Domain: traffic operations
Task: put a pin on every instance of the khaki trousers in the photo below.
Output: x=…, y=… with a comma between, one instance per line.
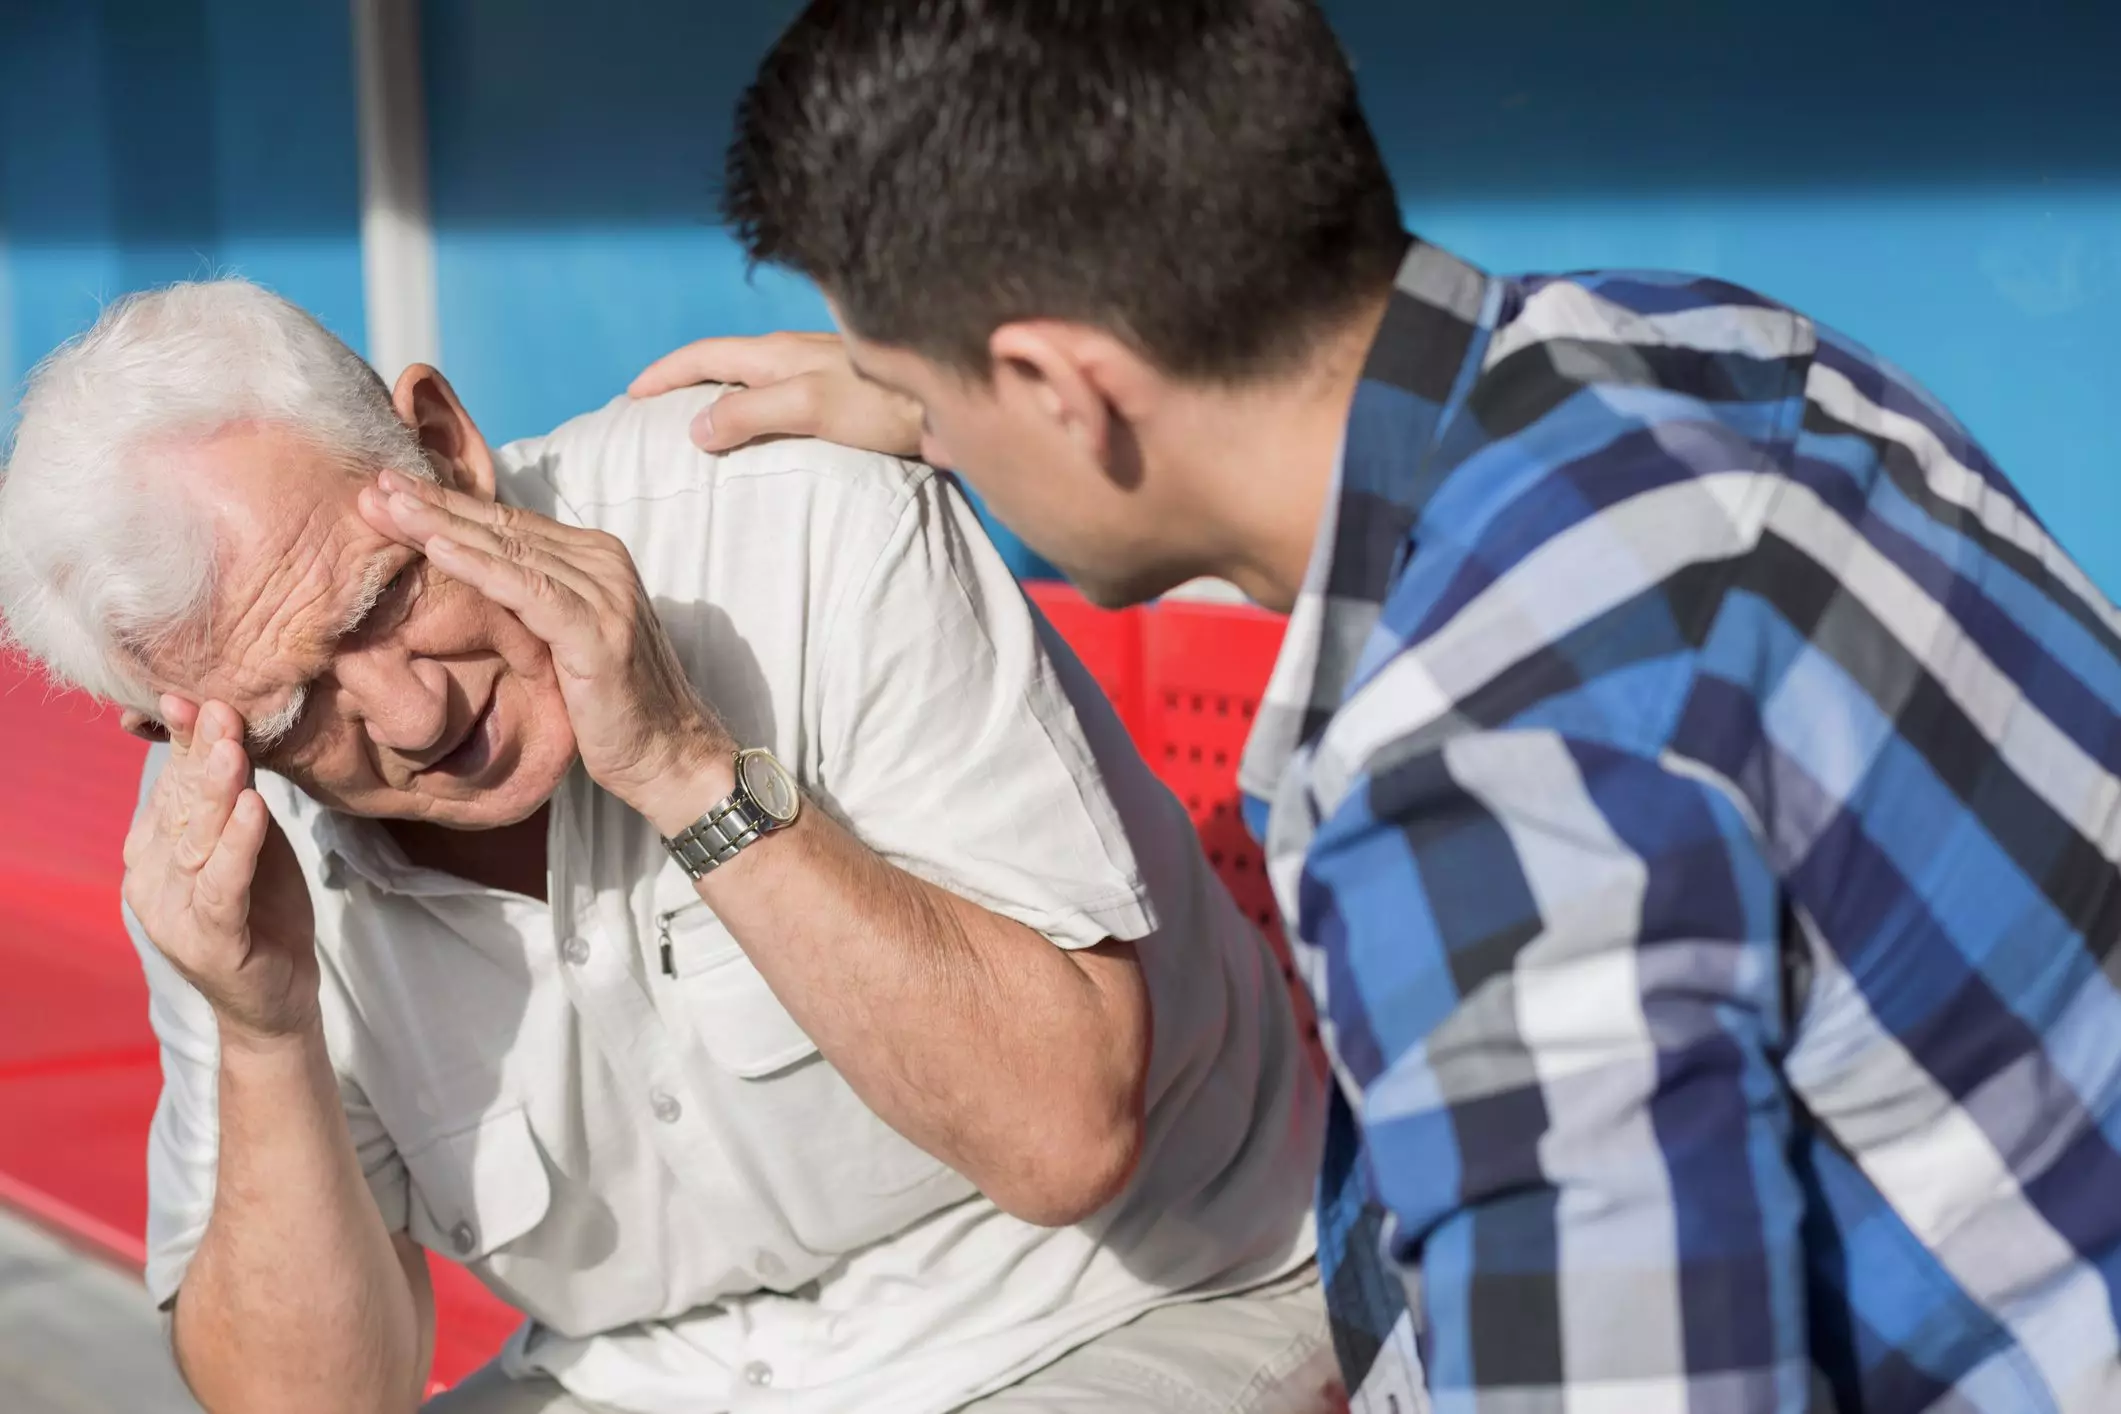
x=1264, y=1352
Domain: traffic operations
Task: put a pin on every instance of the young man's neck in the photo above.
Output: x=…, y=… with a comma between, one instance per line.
x=1261, y=459
x=511, y=858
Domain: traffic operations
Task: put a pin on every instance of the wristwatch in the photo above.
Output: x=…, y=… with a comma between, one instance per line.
x=765, y=800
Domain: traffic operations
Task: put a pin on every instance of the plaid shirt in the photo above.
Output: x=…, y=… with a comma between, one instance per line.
x=1692, y=773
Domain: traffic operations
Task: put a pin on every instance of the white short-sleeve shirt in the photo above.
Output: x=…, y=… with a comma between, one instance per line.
x=690, y=1204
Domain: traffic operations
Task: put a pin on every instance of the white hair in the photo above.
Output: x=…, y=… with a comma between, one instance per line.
x=102, y=560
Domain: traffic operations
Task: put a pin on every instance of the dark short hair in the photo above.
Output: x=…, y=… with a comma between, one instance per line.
x=1195, y=176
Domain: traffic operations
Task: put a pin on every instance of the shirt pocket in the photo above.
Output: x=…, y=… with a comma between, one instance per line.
x=478, y=1188
x=841, y=1174
x=741, y=1024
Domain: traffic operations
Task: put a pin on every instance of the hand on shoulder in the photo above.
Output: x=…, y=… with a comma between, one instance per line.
x=791, y=385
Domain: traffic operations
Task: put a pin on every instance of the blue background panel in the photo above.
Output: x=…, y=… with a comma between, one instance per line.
x=144, y=141
x=1941, y=182
x=574, y=158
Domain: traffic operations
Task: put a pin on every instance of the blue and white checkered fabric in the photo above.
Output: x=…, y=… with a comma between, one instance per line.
x=1692, y=776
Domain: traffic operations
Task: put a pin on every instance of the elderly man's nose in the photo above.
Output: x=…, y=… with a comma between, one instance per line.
x=405, y=709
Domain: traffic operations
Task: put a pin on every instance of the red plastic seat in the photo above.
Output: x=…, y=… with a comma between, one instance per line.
x=1186, y=679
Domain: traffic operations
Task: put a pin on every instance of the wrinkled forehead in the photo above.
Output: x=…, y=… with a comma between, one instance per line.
x=291, y=555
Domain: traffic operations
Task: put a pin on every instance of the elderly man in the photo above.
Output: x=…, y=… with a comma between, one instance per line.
x=696, y=893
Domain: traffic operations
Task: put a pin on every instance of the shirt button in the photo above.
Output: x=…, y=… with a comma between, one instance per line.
x=575, y=950
x=769, y=1266
x=758, y=1374
x=463, y=1237
x=667, y=1108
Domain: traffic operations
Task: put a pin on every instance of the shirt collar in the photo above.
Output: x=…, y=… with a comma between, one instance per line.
x=356, y=847
x=1420, y=366
x=352, y=846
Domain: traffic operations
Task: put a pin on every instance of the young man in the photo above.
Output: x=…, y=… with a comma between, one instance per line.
x=1691, y=769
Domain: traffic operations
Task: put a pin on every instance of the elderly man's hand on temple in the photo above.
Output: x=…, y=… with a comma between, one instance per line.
x=642, y=730
x=215, y=884
x=793, y=385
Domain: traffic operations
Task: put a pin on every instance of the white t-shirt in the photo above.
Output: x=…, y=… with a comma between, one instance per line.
x=692, y=1206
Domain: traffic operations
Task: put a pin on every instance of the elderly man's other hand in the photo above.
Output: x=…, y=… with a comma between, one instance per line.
x=643, y=732
x=794, y=385
x=215, y=884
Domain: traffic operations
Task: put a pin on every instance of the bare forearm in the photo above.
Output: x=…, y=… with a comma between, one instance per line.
x=1016, y=1062
x=297, y=1297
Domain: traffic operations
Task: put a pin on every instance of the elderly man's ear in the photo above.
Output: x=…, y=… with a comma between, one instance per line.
x=179, y=711
x=142, y=726
x=427, y=404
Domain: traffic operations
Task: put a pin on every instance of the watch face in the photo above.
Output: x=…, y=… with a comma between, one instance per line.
x=766, y=781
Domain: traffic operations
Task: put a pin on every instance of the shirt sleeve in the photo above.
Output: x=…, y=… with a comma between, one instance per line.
x=950, y=747
x=183, y=1140
x=1553, y=970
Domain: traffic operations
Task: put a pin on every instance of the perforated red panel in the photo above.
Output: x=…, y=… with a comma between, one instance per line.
x=1205, y=668
x=1186, y=679
x=1108, y=641
x=78, y=1074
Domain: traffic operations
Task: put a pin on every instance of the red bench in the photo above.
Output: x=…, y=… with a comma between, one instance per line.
x=78, y=1069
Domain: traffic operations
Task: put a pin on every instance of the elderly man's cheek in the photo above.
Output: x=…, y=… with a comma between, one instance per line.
x=335, y=766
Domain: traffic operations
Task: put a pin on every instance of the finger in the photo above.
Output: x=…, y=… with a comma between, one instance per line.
x=221, y=892
x=412, y=520
x=180, y=716
x=793, y=407
x=549, y=608
x=374, y=507
x=755, y=360
x=410, y=501
x=396, y=486
x=182, y=794
x=217, y=722
x=209, y=810
x=556, y=560
x=189, y=775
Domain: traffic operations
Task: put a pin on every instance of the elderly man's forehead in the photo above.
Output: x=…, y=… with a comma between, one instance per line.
x=258, y=476
x=290, y=548
x=292, y=575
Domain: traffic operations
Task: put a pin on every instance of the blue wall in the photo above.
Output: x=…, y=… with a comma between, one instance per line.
x=1942, y=182
x=143, y=141
x=574, y=154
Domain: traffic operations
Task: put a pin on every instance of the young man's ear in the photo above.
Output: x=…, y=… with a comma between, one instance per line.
x=1091, y=386
x=430, y=407
x=1037, y=366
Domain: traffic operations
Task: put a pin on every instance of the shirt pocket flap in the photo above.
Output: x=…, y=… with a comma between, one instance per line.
x=478, y=1188
x=741, y=1024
